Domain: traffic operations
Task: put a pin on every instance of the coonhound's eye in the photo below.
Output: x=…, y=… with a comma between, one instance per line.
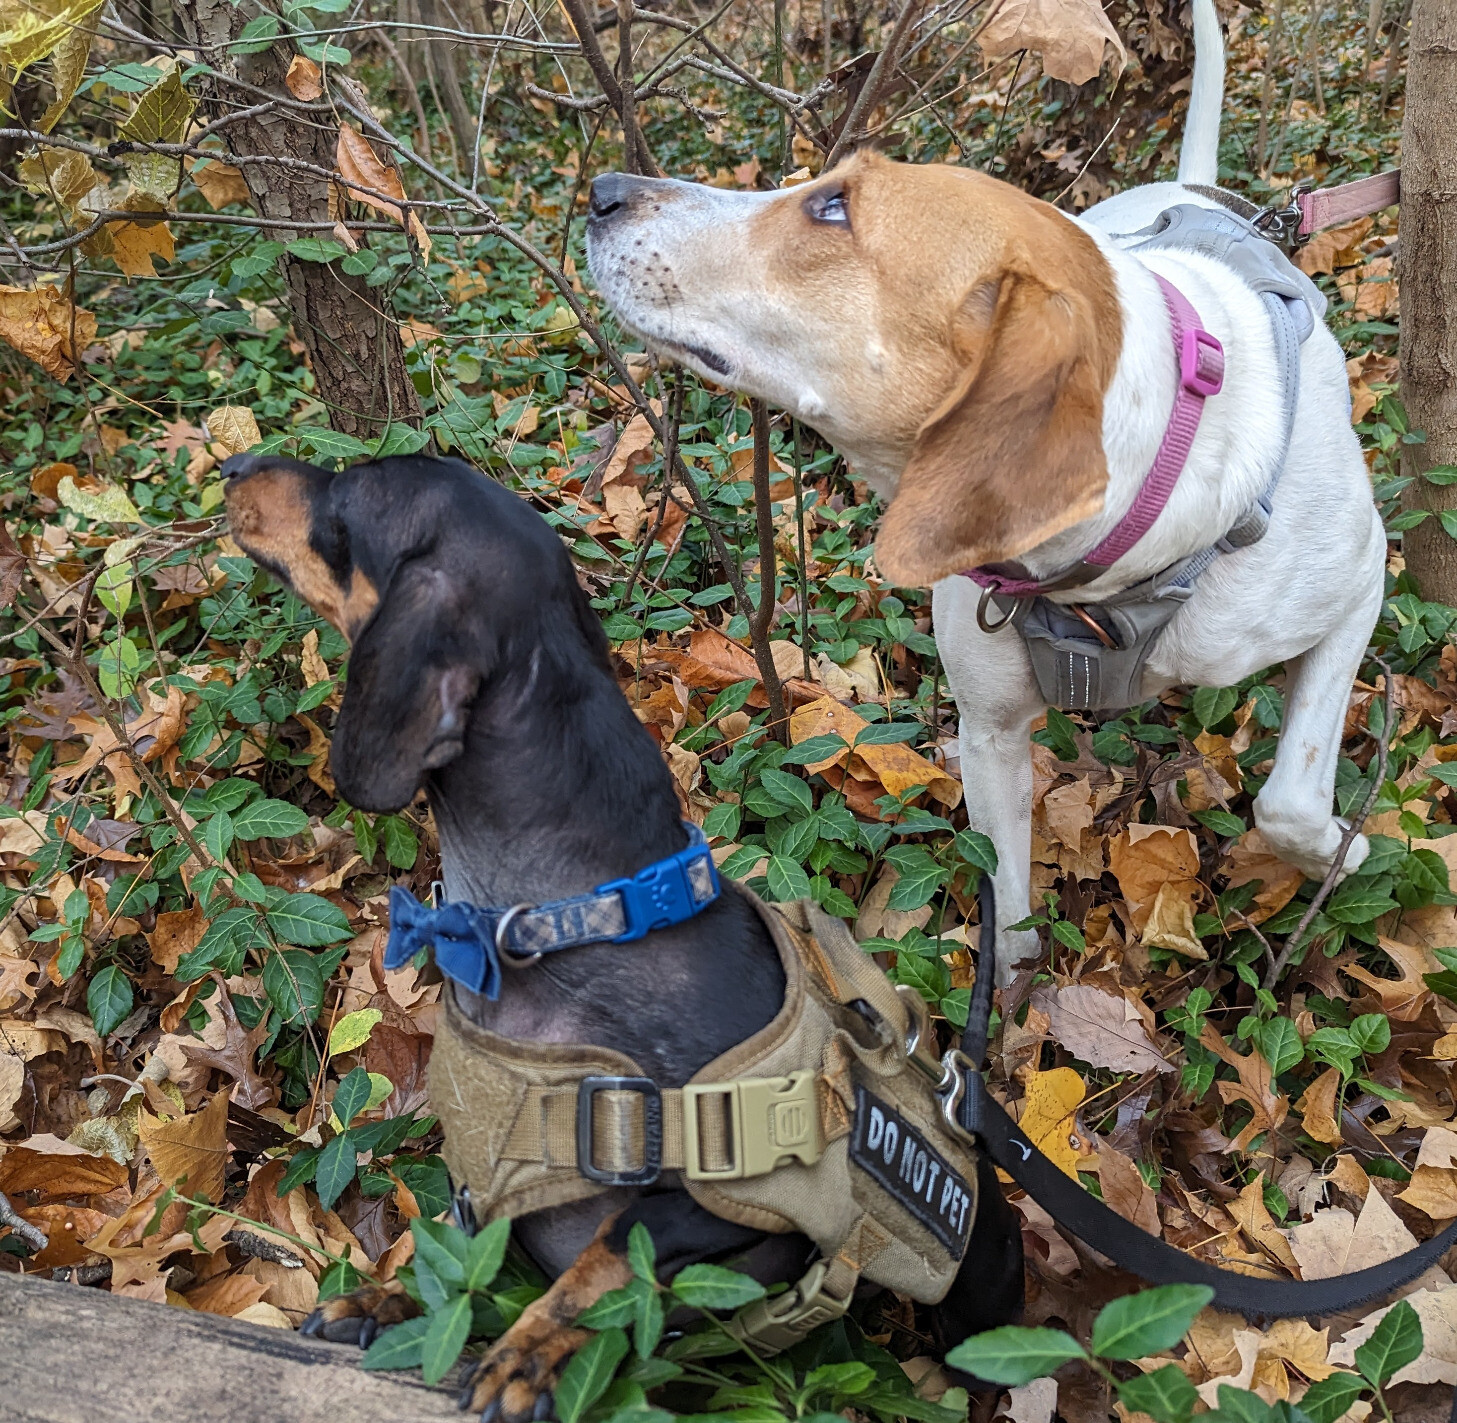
x=829, y=207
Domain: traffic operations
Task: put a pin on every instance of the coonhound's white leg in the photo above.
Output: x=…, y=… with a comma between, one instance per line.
x=997, y=699
x=1294, y=807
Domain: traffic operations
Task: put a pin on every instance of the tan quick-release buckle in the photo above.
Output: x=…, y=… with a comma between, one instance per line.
x=771, y=1119
x=774, y=1325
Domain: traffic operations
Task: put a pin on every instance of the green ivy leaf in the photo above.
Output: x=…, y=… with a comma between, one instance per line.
x=1331, y=1398
x=1148, y=1322
x=444, y=1248
x=814, y=749
x=641, y=1255
x=1013, y=1355
x=485, y=1252
x=1166, y=1395
x=586, y=1378
x=787, y=880
x=977, y=849
x=269, y=817
x=337, y=1164
x=445, y=1338
x=401, y=1347
x=791, y=792
x=309, y=919
x=352, y=1096
x=109, y=999
x=1396, y=1342
x=1280, y=1045
x=294, y=984
x=1211, y=705
x=713, y=1287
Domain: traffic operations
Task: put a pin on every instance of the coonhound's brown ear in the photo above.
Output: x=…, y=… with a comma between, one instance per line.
x=412, y=679
x=1014, y=454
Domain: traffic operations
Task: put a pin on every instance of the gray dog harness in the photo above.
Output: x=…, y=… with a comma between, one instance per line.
x=1092, y=655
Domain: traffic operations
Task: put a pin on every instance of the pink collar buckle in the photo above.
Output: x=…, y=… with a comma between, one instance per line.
x=1201, y=362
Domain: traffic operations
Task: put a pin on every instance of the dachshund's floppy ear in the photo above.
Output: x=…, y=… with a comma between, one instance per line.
x=412, y=679
x=1014, y=454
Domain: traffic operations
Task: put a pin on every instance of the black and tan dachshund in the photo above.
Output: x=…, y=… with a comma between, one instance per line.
x=479, y=671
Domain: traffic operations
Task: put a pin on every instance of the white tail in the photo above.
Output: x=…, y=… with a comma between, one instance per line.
x=1199, y=155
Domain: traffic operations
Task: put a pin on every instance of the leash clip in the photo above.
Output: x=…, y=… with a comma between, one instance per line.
x=503, y=948
x=958, y=1098
x=1282, y=225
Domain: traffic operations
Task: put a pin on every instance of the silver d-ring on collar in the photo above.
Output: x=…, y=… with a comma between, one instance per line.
x=509, y=959
x=981, y=614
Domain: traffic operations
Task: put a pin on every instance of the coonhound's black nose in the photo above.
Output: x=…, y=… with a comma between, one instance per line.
x=612, y=191
x=236, y=465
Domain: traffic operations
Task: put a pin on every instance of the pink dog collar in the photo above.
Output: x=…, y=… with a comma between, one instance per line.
x=1201, y=374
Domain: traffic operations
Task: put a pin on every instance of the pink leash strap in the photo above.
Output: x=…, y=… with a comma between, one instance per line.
x=1325, y=207
x=1201, y=374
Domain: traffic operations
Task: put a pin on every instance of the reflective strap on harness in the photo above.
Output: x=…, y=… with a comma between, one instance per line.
x=626, y=1130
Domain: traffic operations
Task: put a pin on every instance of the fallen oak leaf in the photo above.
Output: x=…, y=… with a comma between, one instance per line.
x=191, y=1149
x=1255, y=1087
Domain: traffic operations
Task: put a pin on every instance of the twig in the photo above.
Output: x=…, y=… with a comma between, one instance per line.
x=33, y=1235
x=763, y=619
x=1267, y=92
x=870, y=91
x=1352, y=830
x=632, y=139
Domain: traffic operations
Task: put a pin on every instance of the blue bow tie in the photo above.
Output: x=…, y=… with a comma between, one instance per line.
x=470, y=940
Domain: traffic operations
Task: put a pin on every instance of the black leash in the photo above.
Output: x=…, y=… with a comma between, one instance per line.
x=1127, y=1246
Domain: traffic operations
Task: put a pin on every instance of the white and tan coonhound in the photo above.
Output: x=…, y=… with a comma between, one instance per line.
x=1005, y=375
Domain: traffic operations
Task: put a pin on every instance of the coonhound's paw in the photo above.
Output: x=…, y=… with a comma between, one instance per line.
x=359, y=1316
x=515, y=1381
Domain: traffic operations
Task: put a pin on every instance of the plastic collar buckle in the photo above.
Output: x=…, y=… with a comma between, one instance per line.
x=1201, y=362
x=652, y=1130
x=771, y=1119
x=658, y=896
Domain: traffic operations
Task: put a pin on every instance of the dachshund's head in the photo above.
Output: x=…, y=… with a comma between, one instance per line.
x=436, y=575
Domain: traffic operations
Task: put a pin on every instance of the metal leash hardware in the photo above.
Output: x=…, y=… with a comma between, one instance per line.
x=983, y=622
x=1282, y=224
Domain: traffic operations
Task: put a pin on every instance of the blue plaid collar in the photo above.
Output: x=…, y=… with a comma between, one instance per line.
x=472, y=942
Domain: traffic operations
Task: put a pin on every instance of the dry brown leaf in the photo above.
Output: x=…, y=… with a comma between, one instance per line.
x=1070, y=35
x=1254, y=1087
x=178, y=932
x=1334, y=1242
x=194, y=1147
x=1144, y=858
x=304, y=79
x=226, y=1294
x=134, y=244
x=57, y=1174
x=1432, y=1190
x=1101, y=1029
x=220, y=183
x=360, y=166
x=1317, y=1108
x=1125, y=1190
x=1170, y=922
x=46, y=326
x=233, y=429
x=1401, y=998
x=1249, y=1209
x=896, y=766
x=68, y=1228
x=1333, y=248
x=876, y=920
x=1250, y=858
x=12, y=1084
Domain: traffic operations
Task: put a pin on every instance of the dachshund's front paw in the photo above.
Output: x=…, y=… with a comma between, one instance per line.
x=361, y=1315
x=515, y=1381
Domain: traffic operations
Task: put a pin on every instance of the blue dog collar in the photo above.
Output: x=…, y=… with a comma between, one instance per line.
x=472, y=941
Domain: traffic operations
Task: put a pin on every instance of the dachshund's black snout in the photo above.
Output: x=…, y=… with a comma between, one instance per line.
x=611, y=193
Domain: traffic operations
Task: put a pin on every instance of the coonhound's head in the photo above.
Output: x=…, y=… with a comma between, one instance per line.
x=435, y=574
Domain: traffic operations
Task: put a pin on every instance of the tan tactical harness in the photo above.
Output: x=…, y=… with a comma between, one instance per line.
x=826, y=1122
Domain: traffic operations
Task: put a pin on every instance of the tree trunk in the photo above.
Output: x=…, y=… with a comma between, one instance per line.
x=346, y=327
x=1427, y=272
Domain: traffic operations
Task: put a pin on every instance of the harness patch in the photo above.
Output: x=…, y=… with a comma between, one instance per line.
x=896, y=1156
